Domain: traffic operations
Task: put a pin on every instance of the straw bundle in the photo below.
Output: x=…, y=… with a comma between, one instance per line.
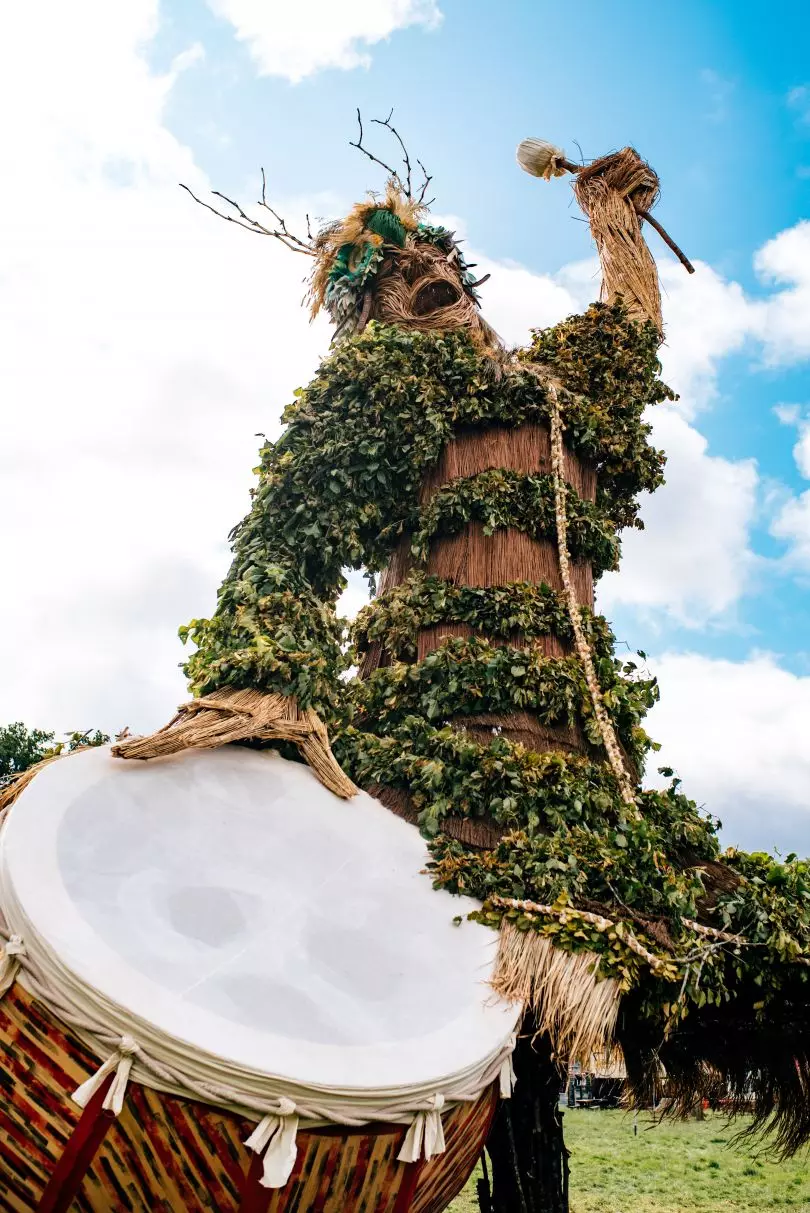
x=562, y=989
x=473, y=558
x=612, y=191
x=227, y=716
x=524, y=448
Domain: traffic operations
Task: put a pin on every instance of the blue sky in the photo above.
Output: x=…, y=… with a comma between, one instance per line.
x=151, y=343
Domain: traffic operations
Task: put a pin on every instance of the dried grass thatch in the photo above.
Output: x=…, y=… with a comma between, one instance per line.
x=228, y=716
x=612, y=191
x=562, y=989
x=350, y=230
x=525, y=448
x=750, y=1060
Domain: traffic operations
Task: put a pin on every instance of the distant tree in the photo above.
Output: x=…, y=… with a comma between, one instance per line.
x=20, y=747
x=77, y=740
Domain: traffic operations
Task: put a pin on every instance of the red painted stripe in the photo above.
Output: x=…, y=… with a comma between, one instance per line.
x=14, y=1133
x=332, y=1161
x=255, y=1198
x=94, y=1124
x=407, y=1189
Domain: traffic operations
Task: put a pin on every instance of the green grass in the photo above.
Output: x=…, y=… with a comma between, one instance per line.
x=674, y=1167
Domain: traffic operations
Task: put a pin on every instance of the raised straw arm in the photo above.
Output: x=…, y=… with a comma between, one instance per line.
x=616, y=192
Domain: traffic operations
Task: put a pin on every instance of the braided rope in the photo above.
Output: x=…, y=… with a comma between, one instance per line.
x=566, y=913
x=606, y=729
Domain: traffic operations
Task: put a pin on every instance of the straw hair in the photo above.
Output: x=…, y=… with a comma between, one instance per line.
x=351, y=230
x=227, y=716
x=563, y=989
x=611, y=191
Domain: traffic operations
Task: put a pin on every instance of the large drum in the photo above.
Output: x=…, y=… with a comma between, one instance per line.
x=227, y=989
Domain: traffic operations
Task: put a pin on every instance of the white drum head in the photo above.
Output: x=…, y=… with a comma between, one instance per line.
x=230, y=900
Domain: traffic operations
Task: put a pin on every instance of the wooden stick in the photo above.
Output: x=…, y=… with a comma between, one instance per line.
x=667, y=239
x=571, y=167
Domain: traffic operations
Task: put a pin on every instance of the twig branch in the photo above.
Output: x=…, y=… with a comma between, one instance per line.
x=667, y=239
x=425, y=183
x=387, y=124
x=242, y=219
x=284, y=231
x=376, y=159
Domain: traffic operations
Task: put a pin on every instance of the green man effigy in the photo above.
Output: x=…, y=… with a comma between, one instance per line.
x=486, y=489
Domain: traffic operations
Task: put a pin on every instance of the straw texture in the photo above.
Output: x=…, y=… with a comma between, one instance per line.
x=227, y=716
x=562, y=989
x=612, y=191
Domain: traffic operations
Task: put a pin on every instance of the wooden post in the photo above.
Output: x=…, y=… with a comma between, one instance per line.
x=525, y=1145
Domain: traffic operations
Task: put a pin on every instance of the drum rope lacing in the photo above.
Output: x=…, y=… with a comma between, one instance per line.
x=137, y=1051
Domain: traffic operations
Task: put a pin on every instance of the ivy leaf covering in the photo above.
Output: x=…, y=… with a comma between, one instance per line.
x=422, y=601
x=499, y=498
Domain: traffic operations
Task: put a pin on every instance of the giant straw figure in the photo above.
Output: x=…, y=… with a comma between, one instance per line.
x=486, y=489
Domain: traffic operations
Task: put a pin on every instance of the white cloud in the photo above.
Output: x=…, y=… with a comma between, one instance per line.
x=297, y=40
x=516, y=300
x=144, y=344
x=791, y=414
x=706, y=318
x=782, y=320
x=792, y=523
x=736, y=732
x=693, y=561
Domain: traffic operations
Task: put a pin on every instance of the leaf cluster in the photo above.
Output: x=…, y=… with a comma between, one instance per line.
x=421, y=600
x=470, y=676
x=500, y=498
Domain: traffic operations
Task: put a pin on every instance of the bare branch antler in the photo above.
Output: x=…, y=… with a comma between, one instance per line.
x=427, y=180
x=405, y=185
x=386, y=122
x=358, y=143
x=242, y=219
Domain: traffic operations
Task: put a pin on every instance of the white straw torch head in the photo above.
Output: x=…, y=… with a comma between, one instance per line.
x=540, y=158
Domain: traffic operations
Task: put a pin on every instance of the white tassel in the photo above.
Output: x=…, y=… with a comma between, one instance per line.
x=120, y=1062
x=425, y=1137
x=10, y=962
x=275, y=1135
x=506, y=1077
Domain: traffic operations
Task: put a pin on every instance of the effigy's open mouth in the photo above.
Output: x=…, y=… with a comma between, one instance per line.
x=435, y=295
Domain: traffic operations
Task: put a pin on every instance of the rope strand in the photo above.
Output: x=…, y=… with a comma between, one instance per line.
x=606, y=729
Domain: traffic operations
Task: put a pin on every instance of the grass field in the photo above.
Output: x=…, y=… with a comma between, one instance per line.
x=670, y=1168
